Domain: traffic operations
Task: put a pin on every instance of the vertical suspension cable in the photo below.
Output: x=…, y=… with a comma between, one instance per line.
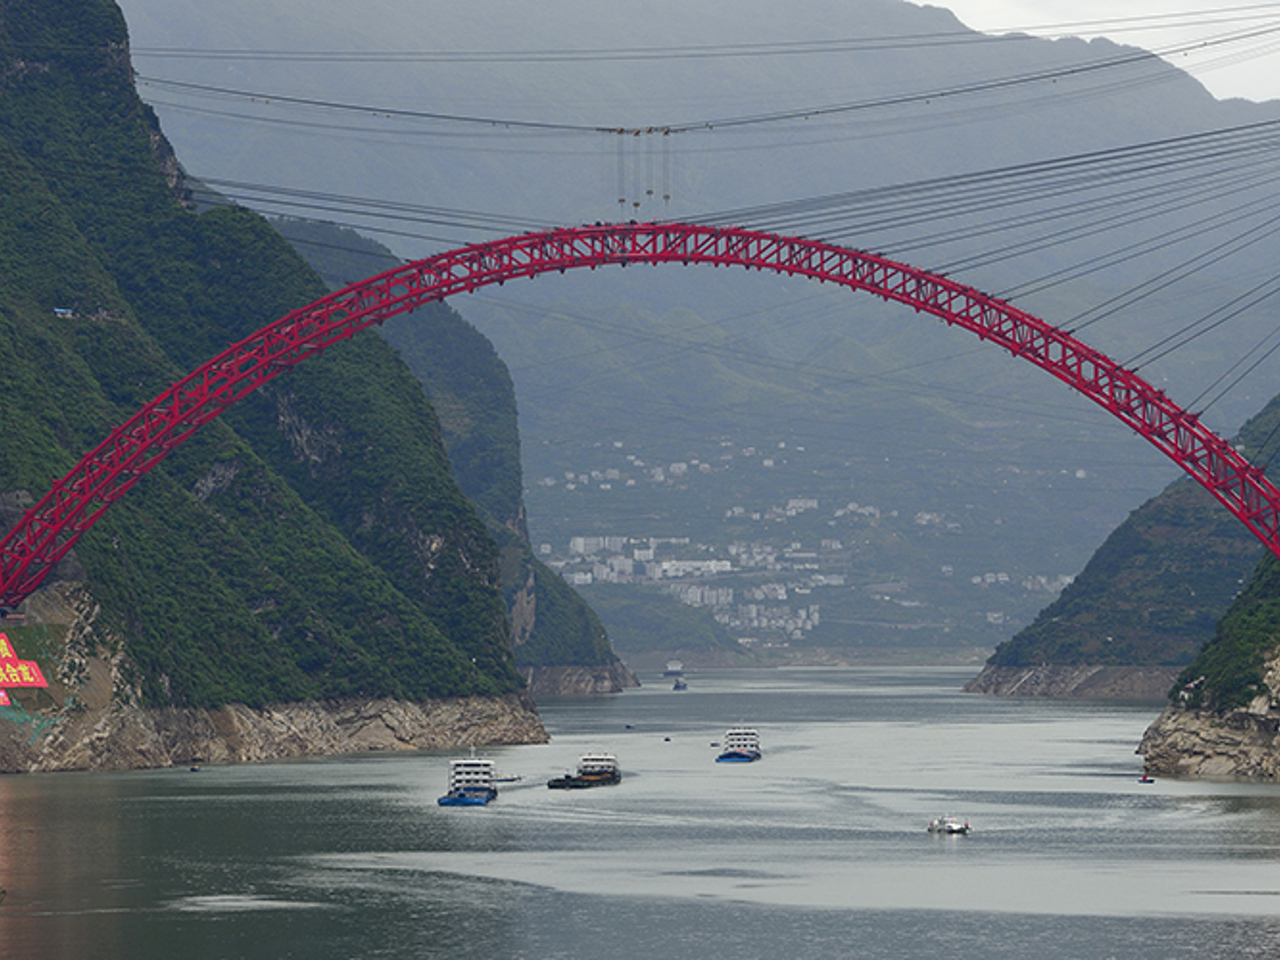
x=636, y=161
x=622, y=175
x=666, y=170
x=649, y=161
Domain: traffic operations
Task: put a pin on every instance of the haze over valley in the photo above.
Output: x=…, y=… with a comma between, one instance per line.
x=990, y=484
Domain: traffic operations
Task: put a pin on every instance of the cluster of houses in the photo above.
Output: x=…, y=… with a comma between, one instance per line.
x=728, y=578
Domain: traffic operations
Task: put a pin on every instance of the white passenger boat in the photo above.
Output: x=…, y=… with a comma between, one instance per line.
x=740, y=745
x=470, y=783
x=949, y=825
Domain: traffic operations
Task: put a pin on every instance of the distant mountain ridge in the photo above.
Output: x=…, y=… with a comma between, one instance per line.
x=893, y=410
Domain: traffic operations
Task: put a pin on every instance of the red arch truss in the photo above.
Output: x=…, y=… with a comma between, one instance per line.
x=48, y=530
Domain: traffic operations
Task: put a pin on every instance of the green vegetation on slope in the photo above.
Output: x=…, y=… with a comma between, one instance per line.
x=641, y=621
x=312, y=544
x=1228, y=671
x=1154, y=590
x=472, y=393
x=1150, y=594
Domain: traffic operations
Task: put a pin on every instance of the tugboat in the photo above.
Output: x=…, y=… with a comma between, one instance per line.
x=949, y=825
x=470, y=783
x=594, y=770
x=741, y=745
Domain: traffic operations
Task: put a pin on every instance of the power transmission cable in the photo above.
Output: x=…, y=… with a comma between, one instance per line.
x=1112, y=25
x=1076, y=70
x=472, y=221
x=1244, y=301
x=1253, y=366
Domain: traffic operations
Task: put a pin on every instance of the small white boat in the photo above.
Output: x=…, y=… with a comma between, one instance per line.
x=949, y=825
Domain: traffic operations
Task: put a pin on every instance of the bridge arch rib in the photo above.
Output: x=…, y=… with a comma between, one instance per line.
x=76, y=501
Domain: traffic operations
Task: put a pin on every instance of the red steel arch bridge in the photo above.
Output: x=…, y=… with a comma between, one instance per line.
x=76, y=501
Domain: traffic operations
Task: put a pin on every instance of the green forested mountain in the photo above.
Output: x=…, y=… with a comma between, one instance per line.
x=310, y=544
x=1156, y=588
x=1228, y=672
x=473, y=395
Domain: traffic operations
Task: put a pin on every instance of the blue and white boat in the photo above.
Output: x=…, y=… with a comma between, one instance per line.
x=470, y=783
x=740, y=745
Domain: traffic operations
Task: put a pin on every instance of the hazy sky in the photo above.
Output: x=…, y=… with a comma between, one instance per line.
x=1154, y=25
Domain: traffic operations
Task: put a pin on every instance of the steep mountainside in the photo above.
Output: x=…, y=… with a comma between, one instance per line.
x=310, y=545
x=1224, y=720
x=472, y=393
x=1152, y=593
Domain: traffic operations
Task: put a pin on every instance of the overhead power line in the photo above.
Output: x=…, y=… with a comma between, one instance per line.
x=1126, y=58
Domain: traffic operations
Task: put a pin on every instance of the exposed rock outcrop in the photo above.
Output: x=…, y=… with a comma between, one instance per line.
x=579, y=681
x=1238, y=745
x=90, y=718
x=125, y=737
x=1081, y=681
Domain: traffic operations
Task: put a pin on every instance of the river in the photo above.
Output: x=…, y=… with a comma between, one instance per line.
x=819, y=850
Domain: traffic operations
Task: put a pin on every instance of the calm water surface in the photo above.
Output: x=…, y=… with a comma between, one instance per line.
x=817, y=851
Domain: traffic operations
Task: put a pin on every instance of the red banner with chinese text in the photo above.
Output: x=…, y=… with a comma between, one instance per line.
x=15, y=672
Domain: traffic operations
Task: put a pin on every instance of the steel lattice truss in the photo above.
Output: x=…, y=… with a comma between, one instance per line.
x=49, y=530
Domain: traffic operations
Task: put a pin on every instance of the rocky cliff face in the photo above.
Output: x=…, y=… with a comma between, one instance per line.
x=90, y=717
x=1084, y=682
x=579, y=681
x=1237, y=744
x=1201, y=744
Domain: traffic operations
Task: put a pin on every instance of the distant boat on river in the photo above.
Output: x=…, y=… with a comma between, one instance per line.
x=741, y=745
x=470, y=783
x=594, y=770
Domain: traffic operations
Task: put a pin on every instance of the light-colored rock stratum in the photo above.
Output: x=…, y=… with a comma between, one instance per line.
x=1080, y=681
x=1242, y=744
x=90, y=718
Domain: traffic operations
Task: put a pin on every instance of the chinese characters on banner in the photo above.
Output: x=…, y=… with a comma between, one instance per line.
x=15, y=672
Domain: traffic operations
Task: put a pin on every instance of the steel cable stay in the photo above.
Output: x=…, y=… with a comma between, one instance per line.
x=76, y=501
